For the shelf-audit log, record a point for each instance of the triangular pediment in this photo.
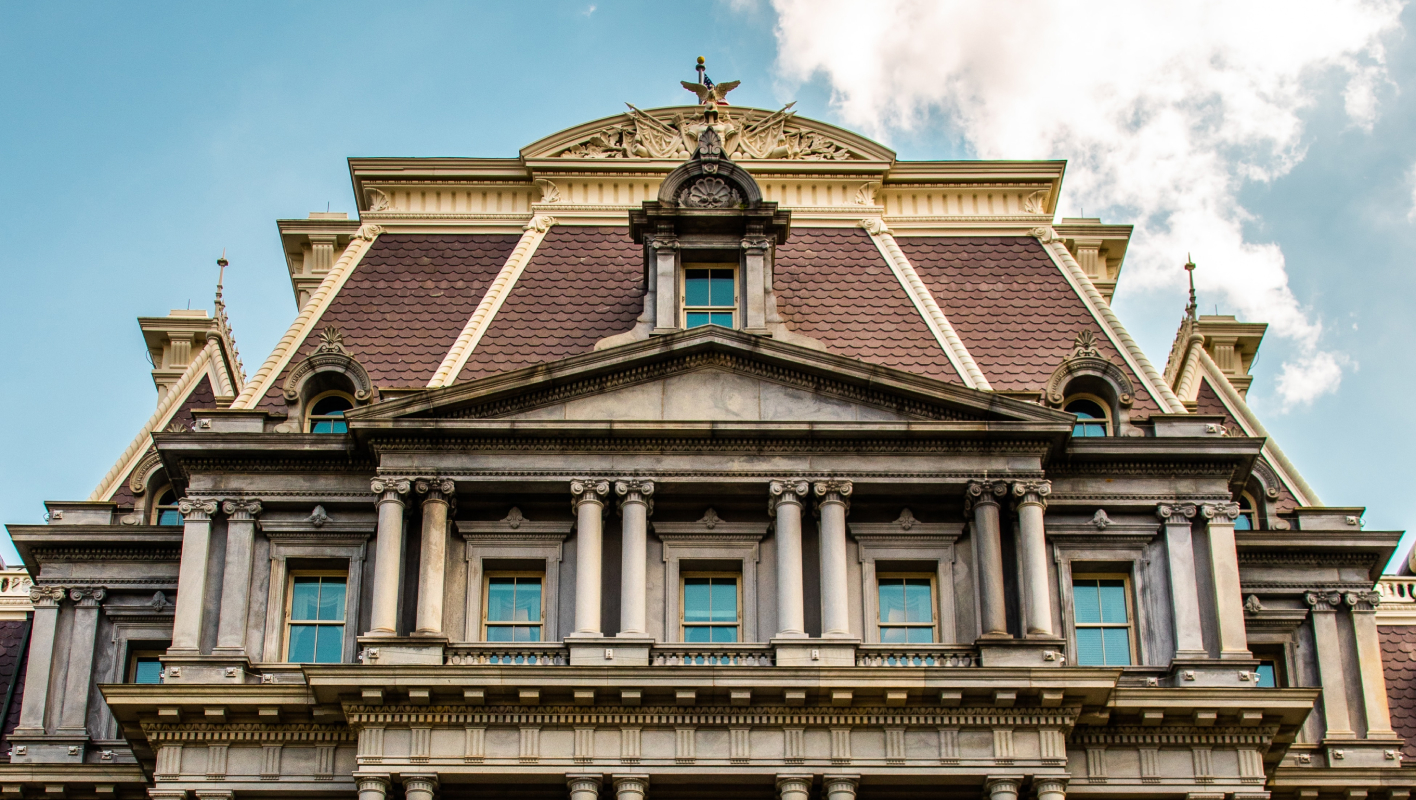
(709, 374)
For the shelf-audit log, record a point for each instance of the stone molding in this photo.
(514, 526)
(47, 596)
(666, 443)
(1261, 736)
(248, 732)
(1323, 599)
(1086, 361)
(436, 489)
(983, 717)
(329, 356)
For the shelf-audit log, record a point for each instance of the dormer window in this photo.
(1245, 521)
(165, 511)
(1092, 419)
(327, 413)
(709, 296)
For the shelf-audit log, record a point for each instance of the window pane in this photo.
(725, 633)
(1244, 522)
(339, 427)
(305, 598)
(526, 633)
(698, 633)
(1118, 646)
(920, 635)
(499, 633)
(695, 287)
(1268, 677)
(169, 516)
(696, 600)
(722, 602)
(1087, 600)
(148, 670)
(1089, 429)
(1113, 601)
(302, 643)
(721, 319)
(1085, 409)
(697, 319)
(330, 645)
(722, 291)
(501, 599)
(918, 605)
(1089, 652)
(528, 600)
(894, 635)
(892, 600)
(332, 599)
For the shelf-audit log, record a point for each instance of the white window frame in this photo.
(513, 573)
(933, 606)
(922, 543)
(288, 622)
(1100, 402)
(314, 401)
(1128, 586)
(685, 308)
(528, 540)
(339, 539)
(683, 588)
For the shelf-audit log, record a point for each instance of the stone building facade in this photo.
(703, 450)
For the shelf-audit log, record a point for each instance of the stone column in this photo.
(35, 703)
(432, 559)
(388, 554)
(236, 581)
(372, 787)
(784, 505)
(839, 787)
(587, 497)
(1330, 669)
(1228, 596)
(1369, 663)
(583, 786)
(1032, 546)
(1002, 788)
(636, 505)
(420, 787)
(1184, 589)
(981, 497)
(754, 283)
(794, 787)
(666, 317)
(73, 715)
(631, 787)
(1050, 788)
(832, 504)
(191, 576)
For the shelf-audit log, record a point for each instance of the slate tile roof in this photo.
(1013, 309)
(201, 395)
(12, 670)
(1399, 661)
(835, 286)
(407, 301)
(582, 285)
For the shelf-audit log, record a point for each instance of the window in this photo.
(906, 609)
(1268, 674)
(315, 628)
(164, 511)
(709, 297)
(327, 413)
(144, 666)
(1102, 609)
(1245, 521)
(1092, 419)
(710, 608)
(513, 608)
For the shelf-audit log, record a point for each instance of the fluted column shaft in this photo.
(1330, 668)
(432, 563)
(832, 503)
(191, 575)
(636, 505)
(35, 703)
(73, 715)
(1369, 663)
(1228, 595)
(388, 555)
(784, 504)
(588, 500)
(1031, 499)
(236, 580)
(982, 497)
(1184, 588)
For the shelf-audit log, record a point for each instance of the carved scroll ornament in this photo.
(1086, 360)
(329, 356)
(747, 136)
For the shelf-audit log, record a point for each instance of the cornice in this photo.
(247, 732)
(1261, 736)
(697, 438)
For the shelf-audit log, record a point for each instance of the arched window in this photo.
(1246, 521)
(1092, 419)
(327, 413)
(164, 509)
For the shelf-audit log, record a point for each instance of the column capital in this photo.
(759, 243)
(983, 492)
(47, 596)
(626, 785)
(374, 783)
(833, 490)
(1364, 601)
(389, 488)
(588, 490)
(1175, 513)
(241, 508)
(1052, 783)
(1003, 786)
(786, 490)
(635, 490)
(196, 509)
(800, 783)
(88, 596)
(661, 242)
(1220, 512)
(1323, 599)
(828, 780)
(584, 781)
(1031, 492)
(425, 783)
(435, 488)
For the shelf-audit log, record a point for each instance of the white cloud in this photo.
(1163, 112)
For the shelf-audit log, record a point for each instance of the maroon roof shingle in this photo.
(1399, 661)
(1012, 308)
(14, 638)
(406, 302)
(581, 285)
(833, 285)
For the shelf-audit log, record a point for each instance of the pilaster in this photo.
(236, 580)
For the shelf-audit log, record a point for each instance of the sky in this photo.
(1273, 143)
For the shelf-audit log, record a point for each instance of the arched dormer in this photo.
(327, 383)
(1085, 378)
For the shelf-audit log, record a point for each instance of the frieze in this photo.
(1261, 736)
(694, 445)
(264, 464)
(1270, 558)
(1161, 469)
(78, 553)
(247, 732)
(383, 716)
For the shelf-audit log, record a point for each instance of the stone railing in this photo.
(15, 585)
(915, 655)
(498, 654)
(711, 655)
(1398, 606)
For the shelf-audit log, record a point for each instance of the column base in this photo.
(609, 651)
(1210, 672)
(1037, 652)
(215, 668)
(1363, 753)
(385, 650)
(807, 652)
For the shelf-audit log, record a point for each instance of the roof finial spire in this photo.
(1193, 306)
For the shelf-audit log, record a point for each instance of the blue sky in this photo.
(140, 142)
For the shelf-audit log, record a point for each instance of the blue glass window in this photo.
(1091, 419)
(1268, 675)
(709, 297)
(514, 609)
(1245, 520)
(906, 610)
(166, 511)
(147, 669)
(316, 620)
(710, 609)
(328, 414)
(1103, 622)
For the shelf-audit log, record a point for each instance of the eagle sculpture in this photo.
(711, 93)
